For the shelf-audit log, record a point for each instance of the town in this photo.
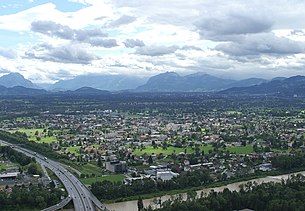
(165, 141)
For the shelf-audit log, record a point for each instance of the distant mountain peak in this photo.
(14, 74)
(102, 82)
(16, 79)
(294, 85)
(173, 82)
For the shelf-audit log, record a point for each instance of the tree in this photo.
(33, 169)
(140, 204)
(150, 160)
(244, 143)
(99, 162)
(50, 133)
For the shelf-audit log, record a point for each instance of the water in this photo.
(133, 206)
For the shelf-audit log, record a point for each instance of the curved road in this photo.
(83, 199)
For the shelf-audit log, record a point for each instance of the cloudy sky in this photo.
(50, 40)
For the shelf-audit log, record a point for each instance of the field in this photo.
(4, 166)
(32, 137)
(242, 149)
(149, 150)
(112, 178)
(74, 150)
(90, 168)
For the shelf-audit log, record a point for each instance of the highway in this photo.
(83, 199)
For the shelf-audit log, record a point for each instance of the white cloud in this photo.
(233, 39)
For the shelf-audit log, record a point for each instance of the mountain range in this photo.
(164, 82)
(16, 79)
(103, 82)
(293, 86)
(197, 82)
(16, 84)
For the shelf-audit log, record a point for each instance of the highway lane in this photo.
(81, 196)
(58, 206)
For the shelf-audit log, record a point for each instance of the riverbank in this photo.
(210, 185)
(132, 205)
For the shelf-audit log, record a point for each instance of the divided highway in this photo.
(83, 199)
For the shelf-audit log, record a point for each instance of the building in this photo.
(10, 175)
(166, 175)
(116, 166)
(265, 167)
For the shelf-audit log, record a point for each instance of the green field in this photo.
(259, 140)
(4, 166)
(241, 150)
(74, 150)
(149, 150)
(112, 178)
(90, 168)
(31, 134)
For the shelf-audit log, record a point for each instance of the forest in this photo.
(286, 195)
(29, 198)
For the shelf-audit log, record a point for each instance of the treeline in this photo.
(29, 198)
(107, 190)
(288, 162)
(21, 138)
(288, 195)
(15, 156)
(25, 161)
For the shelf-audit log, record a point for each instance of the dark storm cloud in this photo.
(265, 43)
(156, 50)
(63, 54)
(94, 37)
(131, 43)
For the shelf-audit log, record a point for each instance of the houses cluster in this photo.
(114, 137)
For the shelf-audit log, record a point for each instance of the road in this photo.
(60, 205)
(83, 199)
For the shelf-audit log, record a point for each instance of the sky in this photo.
(47, 41)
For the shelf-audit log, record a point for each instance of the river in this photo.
(132, 205)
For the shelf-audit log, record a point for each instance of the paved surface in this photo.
(59, 205)
(73, 169)
(83, 199)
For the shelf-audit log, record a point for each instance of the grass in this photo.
(46, 140)
(74, 150)
(90, 168)
(111, 178)
(242, 149)
(149, 150)
(31, 134)
(4, 166)
(259, 140)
